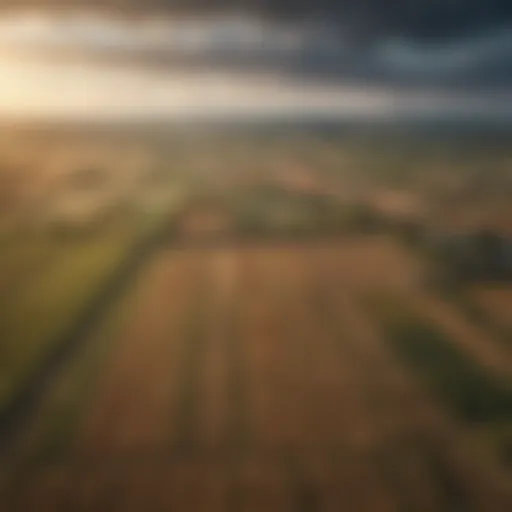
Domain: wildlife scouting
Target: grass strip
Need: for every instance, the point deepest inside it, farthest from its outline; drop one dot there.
(473, 394)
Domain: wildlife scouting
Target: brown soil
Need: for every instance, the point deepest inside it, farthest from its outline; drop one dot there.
(252, 379)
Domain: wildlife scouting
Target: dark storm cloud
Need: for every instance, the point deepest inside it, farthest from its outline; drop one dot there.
(365, 20)
(463, 43)
(423, 18)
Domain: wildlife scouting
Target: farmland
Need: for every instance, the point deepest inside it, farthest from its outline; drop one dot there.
(251, 323)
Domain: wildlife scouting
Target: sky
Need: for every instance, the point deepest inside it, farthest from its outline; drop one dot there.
(365, 19)
(88, 65)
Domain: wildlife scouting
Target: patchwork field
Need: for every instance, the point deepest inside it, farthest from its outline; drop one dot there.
(259, 378)
(305, 364)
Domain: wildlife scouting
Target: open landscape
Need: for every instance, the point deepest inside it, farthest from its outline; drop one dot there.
(313, 319)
